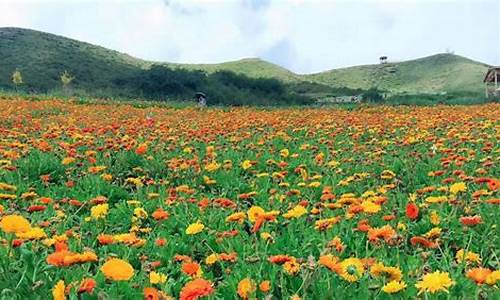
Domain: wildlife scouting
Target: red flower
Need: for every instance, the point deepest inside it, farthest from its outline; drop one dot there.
(412, 211)
(471, 221)
(87, 286)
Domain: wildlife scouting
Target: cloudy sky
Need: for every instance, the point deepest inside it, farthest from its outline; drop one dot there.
(302, 35)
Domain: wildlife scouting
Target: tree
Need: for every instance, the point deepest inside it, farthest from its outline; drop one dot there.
(66, 79)
(17, 78)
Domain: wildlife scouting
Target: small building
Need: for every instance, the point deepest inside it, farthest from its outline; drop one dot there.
(201, 98)
(492, 82)
(383, 59)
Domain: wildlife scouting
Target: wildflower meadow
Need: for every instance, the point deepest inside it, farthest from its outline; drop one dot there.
(132, 201)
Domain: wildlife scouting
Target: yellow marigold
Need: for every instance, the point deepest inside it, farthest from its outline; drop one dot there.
(7, 196)
(458, 187)
(14, 224)
(236, 217)
(266, 236)
(195, 228)
(246, 164)
(140, 213)
(434, 218)
(157, 277)
(246, 287)
(212, 167)
(369, 207)
(295, 212)
(493, 277)
(58, 291)
(469, 257)
(34, 233)
(284, 153)
(434, 282)
(433, 233)
(117, 270)
(351, 269)
(212, 259)
(436, 199)
(68, 160)
(7, 187)
(254, 212)
(393, 286)
(291, 267)
(99, 211)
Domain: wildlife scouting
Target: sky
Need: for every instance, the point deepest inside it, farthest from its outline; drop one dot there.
(304, 36)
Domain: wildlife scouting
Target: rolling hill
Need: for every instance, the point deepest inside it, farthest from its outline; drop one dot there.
(432, 74)
(42, 57)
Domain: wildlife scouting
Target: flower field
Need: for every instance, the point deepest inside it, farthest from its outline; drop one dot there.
(102, 201)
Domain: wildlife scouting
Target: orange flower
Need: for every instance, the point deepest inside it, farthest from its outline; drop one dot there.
(150, 293)
(419, 240)
(192, 269)
(87, 286)
(246, 287)
(280, 259)
(471, 221)
(160, 214)
(117, 270)
(479, 275)
(265, 286)
(195, 289)
(141, 149)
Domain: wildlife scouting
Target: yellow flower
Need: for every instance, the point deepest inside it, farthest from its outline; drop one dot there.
(370, 207)
(436, 199)
(254, 212)
(212, 259)
(458, 187)
(212, 167)
(99, 211)
(140, 213)
(195, 228)
(7, 187)
(266, 236)
(394, 287)
(68, 160)
(434, 282)
(434, 217)
(117, 270)
(351, 269)
(34, 233)
(284, 153)
(493, 277)
(246, 164)
(236, 217)
(291, 267)
(246, 287)
(14, 224)
(433, 233)
(468, 256)
(58, 291)
(157, 277)
(295, 212)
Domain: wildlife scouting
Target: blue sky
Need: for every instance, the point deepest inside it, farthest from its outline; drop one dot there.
(302, 35)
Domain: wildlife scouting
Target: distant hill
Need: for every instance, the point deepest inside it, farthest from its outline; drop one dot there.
(432, 74)
(42, 57)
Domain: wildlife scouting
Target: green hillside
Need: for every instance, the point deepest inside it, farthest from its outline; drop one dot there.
(432, 74)
(42, 57)
(252, 67)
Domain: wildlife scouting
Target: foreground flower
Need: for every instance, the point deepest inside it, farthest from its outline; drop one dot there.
(194, 228)
(58, 291)
(479, 275)
(14, 224)
(195, 289)
(246, 287)
(351, 269)
(434, 282)
(117, 270)
(393, 287)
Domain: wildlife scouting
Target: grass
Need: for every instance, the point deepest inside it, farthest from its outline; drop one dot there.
(358, 165)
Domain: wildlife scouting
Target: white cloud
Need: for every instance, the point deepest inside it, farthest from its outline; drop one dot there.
(304, 36)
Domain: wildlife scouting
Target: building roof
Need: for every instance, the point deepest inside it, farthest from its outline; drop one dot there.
(489, 77)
